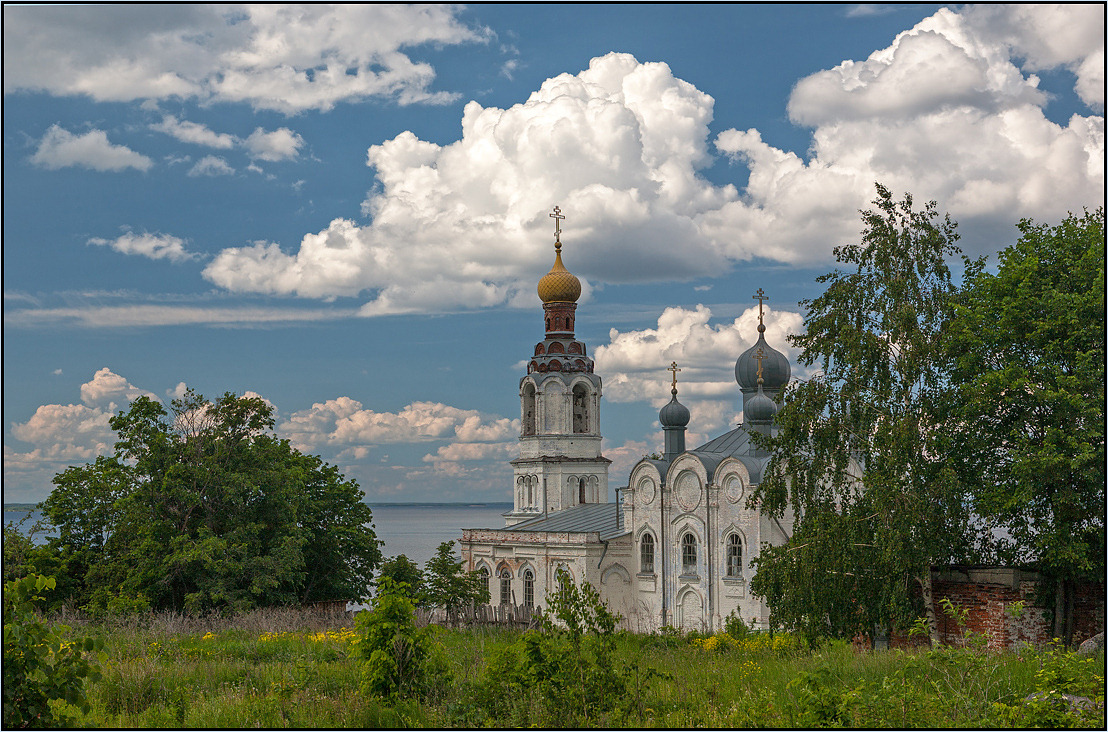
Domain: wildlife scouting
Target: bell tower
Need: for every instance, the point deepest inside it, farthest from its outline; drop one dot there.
(559, 465)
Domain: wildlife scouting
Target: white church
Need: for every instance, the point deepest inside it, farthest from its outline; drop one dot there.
(675, 548)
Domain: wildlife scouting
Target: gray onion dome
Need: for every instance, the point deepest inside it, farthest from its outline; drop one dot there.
(674, 414)
(775, 366)
(759, 409)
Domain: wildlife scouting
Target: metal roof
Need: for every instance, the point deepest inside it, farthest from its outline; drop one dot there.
(600, 517)
(737, 444)
(729, 443)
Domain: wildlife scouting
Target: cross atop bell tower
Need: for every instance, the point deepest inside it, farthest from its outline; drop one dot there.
(557, 216)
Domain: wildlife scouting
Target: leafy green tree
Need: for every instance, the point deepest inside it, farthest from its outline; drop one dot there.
(450, 587)
(859, 451)
(41, 663)
(203, 508)
(403, 572)
(18, 549)
(1028, 348)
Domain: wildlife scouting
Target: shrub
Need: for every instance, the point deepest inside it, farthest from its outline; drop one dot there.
(40, 664)
(400, 660)
(567, 674)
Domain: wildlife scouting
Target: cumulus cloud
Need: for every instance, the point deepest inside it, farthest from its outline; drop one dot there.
(448, 459)
(634, 363)
(624, 457)
(945, 112)
(66, 431)
(153, 246)
(194, 133)
(287, 58)
(63, 434)
(464, 225)
(60, 148)
(108, 389)
(280, 144)
(210, 165)
(1048, 37)
(345, 422)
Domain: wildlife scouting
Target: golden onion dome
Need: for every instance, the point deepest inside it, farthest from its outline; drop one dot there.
(559, 284)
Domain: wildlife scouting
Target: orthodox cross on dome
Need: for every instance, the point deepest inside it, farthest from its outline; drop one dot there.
(761, 298)
(759, 355)
(674, 369)
(557, 216)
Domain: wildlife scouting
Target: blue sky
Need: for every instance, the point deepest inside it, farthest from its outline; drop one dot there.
(344, 209)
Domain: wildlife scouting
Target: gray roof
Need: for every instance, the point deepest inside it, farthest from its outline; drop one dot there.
(604, 518)
(737, 444)
(729, 443)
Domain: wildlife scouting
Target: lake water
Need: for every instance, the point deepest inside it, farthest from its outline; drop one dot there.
(415, 530)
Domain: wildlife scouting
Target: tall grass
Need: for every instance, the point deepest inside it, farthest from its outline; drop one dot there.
(300, 669)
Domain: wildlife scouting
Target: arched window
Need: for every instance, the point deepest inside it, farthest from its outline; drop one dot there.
(581, 491)
(564, 577)
(483, 573)
(528, 588)
(580, 409)
(734, 556)
(688, 554)
(505, 587)
(646, 554)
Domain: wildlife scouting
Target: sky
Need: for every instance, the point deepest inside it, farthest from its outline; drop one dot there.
(345, 209)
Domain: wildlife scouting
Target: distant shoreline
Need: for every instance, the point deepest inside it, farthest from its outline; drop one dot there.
(18, 507)
(471, 504)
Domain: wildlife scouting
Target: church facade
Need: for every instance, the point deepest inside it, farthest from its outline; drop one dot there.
(676, 545)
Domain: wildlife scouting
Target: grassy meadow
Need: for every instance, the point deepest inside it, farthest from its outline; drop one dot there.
(275, 669)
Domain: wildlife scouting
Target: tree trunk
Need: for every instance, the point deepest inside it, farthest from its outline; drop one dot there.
(1059, 610)
(1067, 612)
(929, 607)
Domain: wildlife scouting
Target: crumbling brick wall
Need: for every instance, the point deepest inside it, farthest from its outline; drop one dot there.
(990, 596)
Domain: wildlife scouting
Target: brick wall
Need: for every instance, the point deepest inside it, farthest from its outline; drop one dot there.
(989, 597)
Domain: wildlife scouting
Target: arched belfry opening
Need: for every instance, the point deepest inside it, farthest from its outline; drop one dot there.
(580, 409)
(528, 409)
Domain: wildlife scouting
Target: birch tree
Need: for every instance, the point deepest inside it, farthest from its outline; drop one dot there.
(859, 453)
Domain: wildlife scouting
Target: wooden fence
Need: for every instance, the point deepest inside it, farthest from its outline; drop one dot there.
(515, 616)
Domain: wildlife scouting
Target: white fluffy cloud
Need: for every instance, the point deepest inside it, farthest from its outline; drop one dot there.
(280, 144)
(450, 459)
(60, 148)
(153, 246)
(210, 165)
(108, 389)
(287, 58)
(634, 363)
(1050, 36)
(465, 225)
(194, 133)
(272, 146)
(945, 112)
(63, 434)
(344, 422)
